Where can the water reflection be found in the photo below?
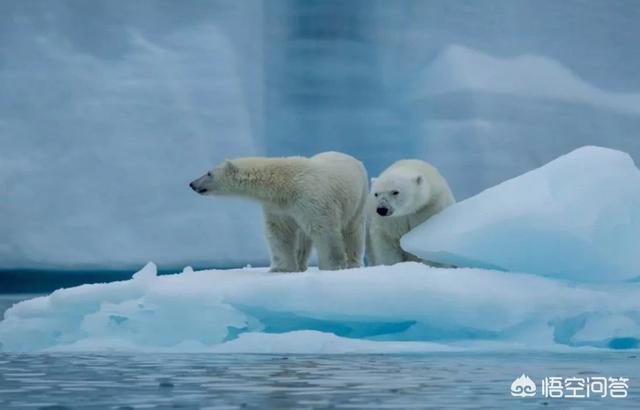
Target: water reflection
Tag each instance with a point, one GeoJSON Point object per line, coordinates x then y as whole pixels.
{"type": "Point", "coordinates": [264, 381]}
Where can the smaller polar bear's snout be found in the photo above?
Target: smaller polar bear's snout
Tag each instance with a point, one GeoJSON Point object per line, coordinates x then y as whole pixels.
{"type": "Point", "coordinates": [383, 208]}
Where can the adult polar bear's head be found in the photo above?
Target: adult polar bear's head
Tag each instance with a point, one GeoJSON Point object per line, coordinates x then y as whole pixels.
{"type": "Point", "coordinates": [223, 179]}
{"type": "Point", "coordinates": [400, 192]}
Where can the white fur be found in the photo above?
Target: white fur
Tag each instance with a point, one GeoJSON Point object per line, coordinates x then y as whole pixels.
{"type": "Point", "coordinates": [317, 201]}
{"type": "Point", "coordinates": [411, 191]}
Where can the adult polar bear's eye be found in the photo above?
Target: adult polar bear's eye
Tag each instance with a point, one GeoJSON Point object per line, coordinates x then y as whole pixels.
{"type": "Point", "coordinates": [376, 194]}
{"type": "Point", "coordinates": [394, 193]}
{"type": "Point", "coordinates": [209, 173]}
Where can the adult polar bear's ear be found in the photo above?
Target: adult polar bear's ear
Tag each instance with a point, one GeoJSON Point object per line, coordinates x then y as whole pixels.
{"type": "Point", "coordinates": [230, 167]}
{"type": "Point", "coordinates": [373, 180]}
{"type": "Point", "coordinates": [418, 179]}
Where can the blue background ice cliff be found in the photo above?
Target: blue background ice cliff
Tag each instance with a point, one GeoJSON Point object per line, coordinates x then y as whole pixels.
{"type": "Point", "coordinates": [108, 109]}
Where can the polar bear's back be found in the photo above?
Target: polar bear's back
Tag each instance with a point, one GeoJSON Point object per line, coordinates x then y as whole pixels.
{"type": "Point", "coordinates": [341, 163]}
{"type": "Point", "coordinates": [342, 167]}
{"type": "Point", "coordinates": [344, 176]}
{"type": "Point", "coordinates": [333, 157]}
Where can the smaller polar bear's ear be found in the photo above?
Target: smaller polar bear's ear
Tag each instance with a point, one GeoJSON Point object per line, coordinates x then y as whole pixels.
{"type": "Point", "coordinates": [418, 179]}
{"type": "Point", "coordinates": [230, 166]}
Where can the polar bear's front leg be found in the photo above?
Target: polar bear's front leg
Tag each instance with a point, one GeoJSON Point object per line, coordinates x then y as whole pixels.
{"type": "Point", "coordinates": [281, 234]}
{"type": "Point", "coordinates": [383, 250]}
{"type": "Point", "coordinates": [331, 250]}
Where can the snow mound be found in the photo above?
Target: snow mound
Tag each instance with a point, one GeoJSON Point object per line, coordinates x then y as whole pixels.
{"type": "Point", "coordinates": [405, 308]}
{"type": "Point", "coordinates": [577, 217]}
{"type": "Point", "coordinates": [459, 68]}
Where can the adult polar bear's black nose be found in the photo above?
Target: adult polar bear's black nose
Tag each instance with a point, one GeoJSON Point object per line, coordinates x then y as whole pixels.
{"type": "Point", "coordinates": [382, 211]}
{"type": "Point", "coordinates": [193, 186]}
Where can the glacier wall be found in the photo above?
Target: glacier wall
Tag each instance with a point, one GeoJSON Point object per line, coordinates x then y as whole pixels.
{"type": "Point", "coordinates": [107, 110]}
{"type": "Point", "coordinates": [484, 91]}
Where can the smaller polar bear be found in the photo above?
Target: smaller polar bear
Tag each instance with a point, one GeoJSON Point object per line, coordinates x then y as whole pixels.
{"type": "Point", "coordinates": [405, 195]}
{"type": "Point", "coordinates": [318, 201]}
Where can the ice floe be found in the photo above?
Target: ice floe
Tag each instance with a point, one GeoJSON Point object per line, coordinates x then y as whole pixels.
{"type": "Point", "coordinates": [405, 308]}
{"type": "Point", "coordinates": [577, 217]}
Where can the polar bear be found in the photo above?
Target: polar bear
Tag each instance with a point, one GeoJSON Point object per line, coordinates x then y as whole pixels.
{"type": "Point", "coordinates": [405, 195]}
{"type": "Point", "coordinates": [318, 201]}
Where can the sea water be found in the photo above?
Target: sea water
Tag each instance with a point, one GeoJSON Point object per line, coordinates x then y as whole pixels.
{"type": "Point", "coordinates": [230, 381]}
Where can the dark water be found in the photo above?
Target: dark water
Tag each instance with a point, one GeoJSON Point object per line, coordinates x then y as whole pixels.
{"type": "Point", "coordinates": [18, 281]}
{"type": "Point", "coordinates": [192, 381]}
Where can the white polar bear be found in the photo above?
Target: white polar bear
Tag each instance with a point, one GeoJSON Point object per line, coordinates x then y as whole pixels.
{"type": "Point", "coordinates": [402, 197]}
{"type": "Point", "coordinates": [318, 201]}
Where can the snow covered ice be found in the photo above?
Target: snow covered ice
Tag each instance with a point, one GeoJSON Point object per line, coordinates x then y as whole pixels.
{"type": "Point", "coordinates": [403, 308]}
{"type": "Point", "coordinates": [576, 218]}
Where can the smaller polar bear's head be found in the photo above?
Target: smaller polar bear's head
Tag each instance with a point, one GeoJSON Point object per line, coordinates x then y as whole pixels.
{"type": "Point", "coordinates": [220, 180]}
{"type": "Point", "coordinates": [399, 194]}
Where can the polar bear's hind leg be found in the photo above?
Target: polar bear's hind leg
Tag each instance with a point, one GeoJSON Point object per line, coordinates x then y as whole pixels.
{"type": "Point", "coordinates": [331, 250]}
{"type": "Point", "coordinates": [303, 250]}
{"type": "Point", "coordinates": [354, 238]}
